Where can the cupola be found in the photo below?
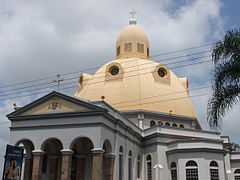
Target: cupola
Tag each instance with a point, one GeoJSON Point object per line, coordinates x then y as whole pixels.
{"type": "Point", "coordinates": [132, 42]}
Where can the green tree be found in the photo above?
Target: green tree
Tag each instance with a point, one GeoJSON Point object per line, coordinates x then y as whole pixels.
{"type": "Point", "coordinates": [226, 77]}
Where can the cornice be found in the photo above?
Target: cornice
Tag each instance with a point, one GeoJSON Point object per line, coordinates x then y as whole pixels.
{"type": "Point", "coordinates": [191, 150]}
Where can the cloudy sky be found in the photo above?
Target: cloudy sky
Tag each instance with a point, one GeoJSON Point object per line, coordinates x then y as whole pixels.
{"type": "Point", "coordinates": [39, 39]}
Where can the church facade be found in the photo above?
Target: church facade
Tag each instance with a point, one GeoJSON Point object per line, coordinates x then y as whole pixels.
{"type": "Point", "coordinates": [130, 120]}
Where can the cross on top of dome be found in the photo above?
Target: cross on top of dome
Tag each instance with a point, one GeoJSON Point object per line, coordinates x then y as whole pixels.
{"type": "Point", "coordinates": [133, 20]}
{"type": "Point", "coordinates": [133, 13]}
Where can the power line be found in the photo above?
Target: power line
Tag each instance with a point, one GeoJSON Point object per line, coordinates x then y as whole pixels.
{"type": "Point", "coordinates": [49, 77]}
{"type": "Point", "coordinates": [162, 95]}
{"type": "Point", "coordinates": [103, 66]}
{"type": "Point", "coordinates": [210, 44]}
{"type": "Point", "coordinates": [39, 84]}
{"type": "Point", "coordinates": [147, 72]}
{"type": "Point", "coordinates": [173, 99]}
{"type": "Point", "coordinates": [147, 62]}
{"type": "Point", "coordinates": [194, 89]}
{"type": "Point", "coordinates": [36, 89]}
{"type": "Point", "coordinates": [92, 83]}
{"type": "Point", "coordinates": [165, 100]}
{"type": "Point", "coordinates": [100, 77]}
{"type": "Point", "coordinates": [104, 80]}
{"type": "Point", "coordinates": [40, 79]}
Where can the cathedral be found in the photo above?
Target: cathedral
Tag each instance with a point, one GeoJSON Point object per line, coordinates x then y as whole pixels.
{"type": "Point", "coordinates": [130, 120]}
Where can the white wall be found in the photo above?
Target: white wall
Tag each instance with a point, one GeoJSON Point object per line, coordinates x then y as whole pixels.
{"type": "Point", "coordinates": [202, 159]}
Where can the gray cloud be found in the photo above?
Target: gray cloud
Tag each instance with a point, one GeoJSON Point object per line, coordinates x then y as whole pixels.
{"type": "Point", "coordinates": [42, 38]}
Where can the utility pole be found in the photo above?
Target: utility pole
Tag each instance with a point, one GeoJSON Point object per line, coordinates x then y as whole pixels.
{"type": "Point", "coordinates": [58, 80]}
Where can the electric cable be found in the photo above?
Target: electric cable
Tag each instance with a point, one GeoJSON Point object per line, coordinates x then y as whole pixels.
{"type": "Point", "coordinates": [105, 76]}
{"type": "Point", "coordinates": [40, 84]}
{"type": "Point", "coordinates": [76, 86]}
{"type": "Point", "coordinates": [49, 77]}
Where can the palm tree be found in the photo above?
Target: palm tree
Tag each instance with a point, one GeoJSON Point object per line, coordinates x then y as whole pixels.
{"type": "Point", "coordinates": [226, 76]}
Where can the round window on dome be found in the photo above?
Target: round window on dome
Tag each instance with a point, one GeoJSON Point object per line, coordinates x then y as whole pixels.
{"type": "Point", "coordinates": [114, 70]}
{"type": "Point", "coordinates": [162, 72]}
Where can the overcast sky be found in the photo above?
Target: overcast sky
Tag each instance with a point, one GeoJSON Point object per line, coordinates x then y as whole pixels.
{"type": "Point", "coordinates": [42, 38]}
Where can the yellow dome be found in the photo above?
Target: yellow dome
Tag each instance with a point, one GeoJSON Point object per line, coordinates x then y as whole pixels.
{"type": "Point", "coordinates": [133, 82]}
{"type": "Point", "coordinates": [137, 84]}
{"type": "Point", "coordinates": [132, 42]}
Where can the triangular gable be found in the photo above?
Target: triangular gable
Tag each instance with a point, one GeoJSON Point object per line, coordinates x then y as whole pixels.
{"type": "Point", "coordinates": [55, 105]}
{"type": "Point", "coordinates": [55, 102]}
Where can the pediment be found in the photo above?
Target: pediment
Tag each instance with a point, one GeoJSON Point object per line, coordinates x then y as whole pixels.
{"type": "Point", "coordinates": [55, 103]}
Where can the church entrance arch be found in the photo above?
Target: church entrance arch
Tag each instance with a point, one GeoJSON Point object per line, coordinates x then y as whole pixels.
{"type": "Point", "coordinates": [28, 147]}
{"type": "Point", "coordinates": [81, 159]}
{"type": "Point", "coordinates": [52, 161]}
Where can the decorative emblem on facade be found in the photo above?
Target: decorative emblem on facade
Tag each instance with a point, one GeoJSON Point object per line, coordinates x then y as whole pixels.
{"type": "Point", "coordinates": [54, 104]}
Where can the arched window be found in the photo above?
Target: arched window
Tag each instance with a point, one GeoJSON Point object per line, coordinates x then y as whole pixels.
{"type": "Point", "coordinates": [128, 47]}
{"type": "Point", "coordinates": [181, 126]}
{"type": "Point", "coordinates": [120, 163]}
{"type": "Point", "coordinates": [147, 52]}
{"type": "Point", "coordinates": [191, 170]}
{"type": "Point", "coordinates": [130, 165]}
{"type": "Point", "coordinates": [138, 166]}
{"type": "Point", "coordinates": [214, 170]}
{"type": "Point", "coordinates": [44, 163]}
{"type": "Point", "coordinates": [140, 48]}
{"type": "Point", "coordinates": [152, 123]}
{"type": "Point", "coordinates": [149, 167]}
{"type": "Point", "coordinates": [118, 50]}
{"type": "Point", "coordinates": [167, 124]}
{"type": "Point", "coordinates": [237, 174]}
{"type": "Point", "coordinates": [174, 125]}
{"type": "Point", "coordinates": [173, 171]}
{"type": "Point", "coordinates": [74, 167]}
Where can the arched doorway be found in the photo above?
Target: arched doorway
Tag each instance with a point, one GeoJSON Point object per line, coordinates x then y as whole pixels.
{"type": "Point", "coordinates": [108, 161]}
{"type": "Point", "coordinates": [27, 166]}
{"type": "Point", "coordinates": [52, 161]}
{"type": "Point", "coordinates": [81, 159]}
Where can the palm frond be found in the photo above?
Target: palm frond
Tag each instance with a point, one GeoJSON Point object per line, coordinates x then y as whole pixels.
{"type": "Point", "coordinates": [226, 86]}
{"type": "Point", "coordinates": [222, 101]}
{"type": "Point", "coordinates": [227, 73]}
{"type": "Point", "coordinates": [229, 48]}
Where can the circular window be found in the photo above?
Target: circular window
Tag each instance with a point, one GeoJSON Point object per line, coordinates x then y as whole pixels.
{"type": "Point", "coordinates": [174, 125]}
{"type": "Point", "coordinates": [167, 124]}
{"type": "Point", "coordinates": [152, 123]}
{"type": "Point", "coordinates": [160, 123]}
{"type": "Point", "coordinates": [162, 72]}
{"type": "Point", "coordinates": [114, 70]}
{"type": "Point", "coordinates": [181, 126]}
